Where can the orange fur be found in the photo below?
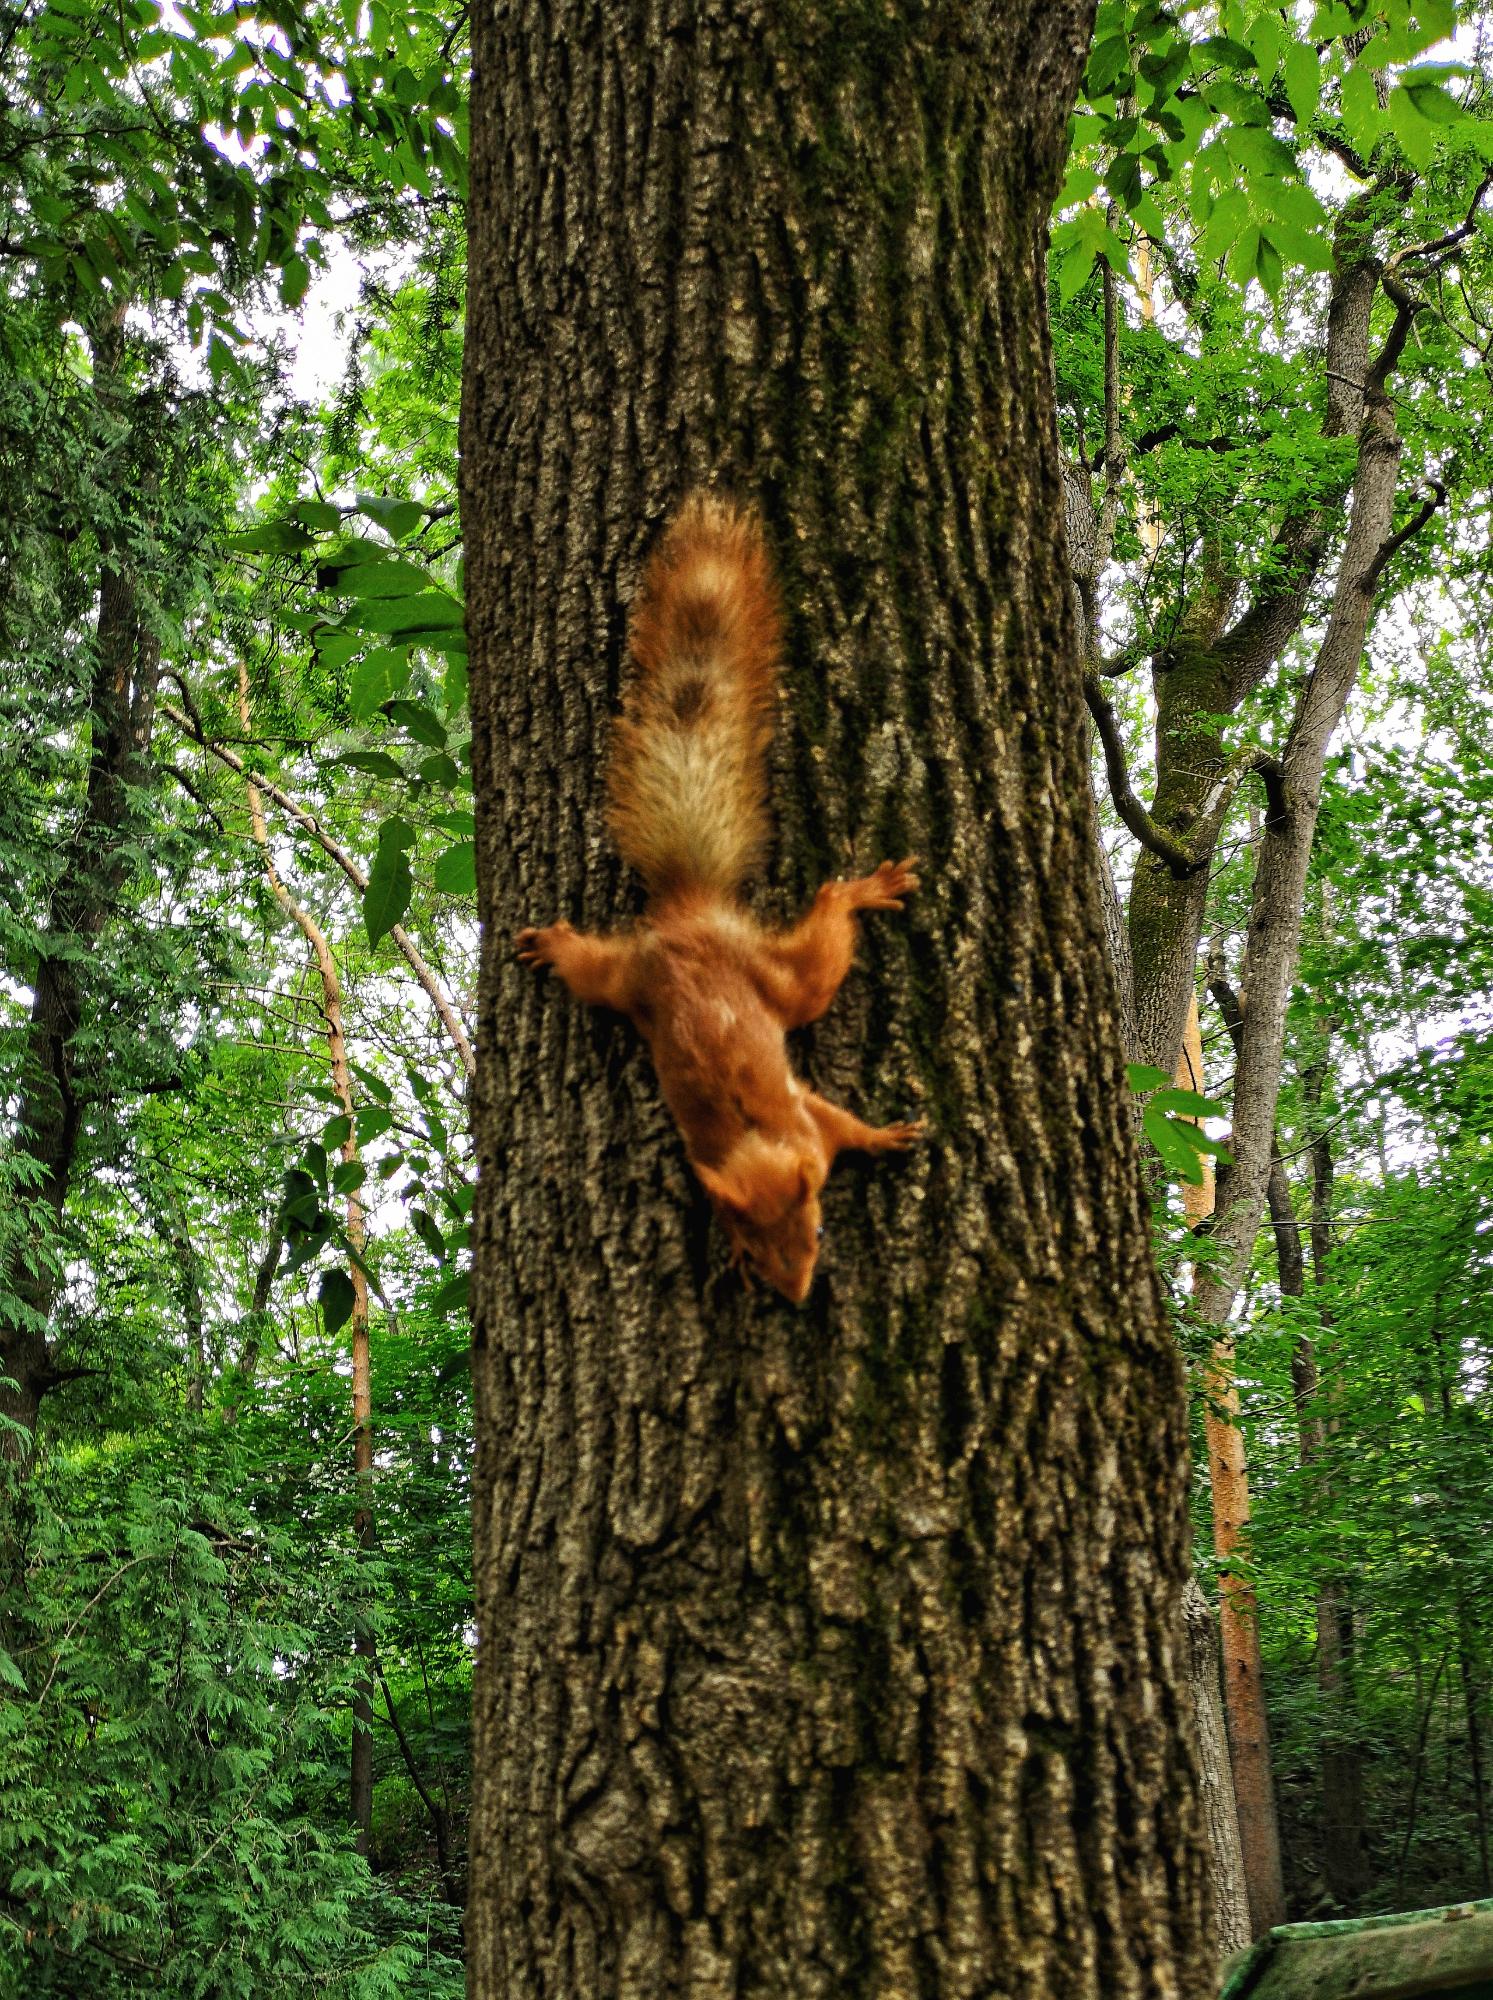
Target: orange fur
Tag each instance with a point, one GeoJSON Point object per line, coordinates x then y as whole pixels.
{"type": "Point", "coordinates": [710, 990]}
{"type": "Point", "coordinates": [688, 774]}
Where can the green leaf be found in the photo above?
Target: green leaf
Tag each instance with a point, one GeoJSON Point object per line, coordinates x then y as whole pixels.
{"type": "Point", "coordinates": [336, 1132]}
{"type": "Point", "coordinates": [1416, 134]}
{"type": "Point", "coordinates": [318, 515]}
{"type": "Point", "coordinates": [1109, 59]}
{"type": "Point", "coordinates": [431, 609]}
{"type": "Point", "coordinates": [1258, 151]}
{"type": "Point", "coordinates": [1434, 104]}
{"type": "Point", "coordinates": [398, 518]}
{"type": "Point", "coordinates": [375, 679]}
{"type": "Point", "coordinates": [1180, 1158]}
{"type": "Point", "coordinates": [348, 1176]}
{"type": "Point", "coordinates": [390, 886]}
{"type": "Point", "coordinates": [392, 578]}
{"type": "Point", "coordinates": [373, 1122]}
{"type": "Point", "coordinates": [418, 721]}
{"type": "Point", "coordinates": [1223, 49]}
{"type": "Point", "coordinates": [428, 1230]}
{"type": "Point", "coordinates": [1361, 112]}
{"type": "Point", "coordinates": [1189, 1103]}
{"type": "Point", "coordinates": [294, 278]}
{"type": "Point", "coordinates": [337, 1299]}
{"type": "Point", "coordinates": [1265, 38]}
{"type": "Point", "coordinates": [456, 870]}
{"type": "Point", "coordinates": [1269, 268]}
{"type": "Point", "coordinates": [454, 1296]}
{"type": "Point", "coordinates": [275, 538]}
{"type": "Point", "coordinates": [1302, 74]}
{"type": "Point", "coordinates": [1145, 1076]}
{"type": "Point", "coordinates": [372, 1083]}
{"type": "Point", "coordinates": [377, 763]}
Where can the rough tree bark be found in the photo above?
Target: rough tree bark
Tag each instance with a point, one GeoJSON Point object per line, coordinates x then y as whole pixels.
{"type": "Point", "coordinates": [835, 1652]}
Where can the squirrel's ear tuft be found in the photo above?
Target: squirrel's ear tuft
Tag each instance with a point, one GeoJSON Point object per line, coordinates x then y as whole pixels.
{"type": "Point", "coordinates": [727, 1197]}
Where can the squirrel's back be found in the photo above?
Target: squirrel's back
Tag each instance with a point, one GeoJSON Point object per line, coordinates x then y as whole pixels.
{"type": "Point", "coordinates": [688, 773]}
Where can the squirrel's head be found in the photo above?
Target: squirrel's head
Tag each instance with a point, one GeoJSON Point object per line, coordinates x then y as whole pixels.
{"type": "Point", "coordinates": [767, 1198]}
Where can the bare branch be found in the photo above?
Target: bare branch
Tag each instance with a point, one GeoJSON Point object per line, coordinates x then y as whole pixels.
{"type": "Point", "coordinates": [1452, 237]}
{"type": "Point", "coordinates": [440, 999]}
{"type": "Point", "coordinates": [1251, 759]}
{"type": "Point", "coordinates": [1155, 839]}
{"type": "Point", "coordinates": [1391, 546]}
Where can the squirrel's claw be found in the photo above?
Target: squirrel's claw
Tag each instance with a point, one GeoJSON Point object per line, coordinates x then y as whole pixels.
{"type": "Point", "coordinates": [885, 888]}
{"type": "Point", "coordinates": [535, 946]}
{"type": "Point", "coordinates": [897, 1138]}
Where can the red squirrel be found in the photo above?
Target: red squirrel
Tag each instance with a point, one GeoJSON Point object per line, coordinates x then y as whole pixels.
{"type": "Point", "coordinates": [710, 990]}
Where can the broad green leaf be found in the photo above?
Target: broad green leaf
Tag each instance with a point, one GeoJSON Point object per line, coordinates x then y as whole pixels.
{"type": "Point", "coordinates": [275, 538]}
{"type": "Point", "coordinates": [375, 678]}
{"type": "Point", "coordinates": [454, 1296]}
{"type": "Point", "coordinates": [398, 518]}
{"type": "Point", "coordinates": [393, 578]}
{"type": "Point", "coordinates": [418, 721]}
{"type": "Point", "coordinates": [390, 887]}
{"type": "Point", "coordinates": [318, 515]}
{"type": "Point", "coordinates": [1361, 113]}
{"type": "Point", "coordinates": [430, 610]}
{"type": "Point", "coordinates": [1108, 61]}
{"type": "Point", "coordinates": [1145, 1076]}
{"type": "Point", "coordinates": [1416, 134]}
{"type": "Point", "coordinates": [377, 763]}
{"type": "Point", "coordinates": [372, 1083]}
{"type": "Point", "coordinates": [1302, 74]}
{"type": "Point", "coordinates": [456, 870]}
{"type": "Point", "coordinates": [1187, 1103]}
{"type": "Point", "coordinates": [337, 1299]}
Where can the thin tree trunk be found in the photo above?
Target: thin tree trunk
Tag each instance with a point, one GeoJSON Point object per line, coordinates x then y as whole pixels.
{"type": "Point", "coordinates": [834, 1652]}
{"type": "Point", "coordinates": [434, 991]}
{"type": "Point", "coordinates": [1239, 1631]}
{"type": "Point", "coordinates": [360, 1785]}
{"type": "Point", "coordinates": [1216, 1771]}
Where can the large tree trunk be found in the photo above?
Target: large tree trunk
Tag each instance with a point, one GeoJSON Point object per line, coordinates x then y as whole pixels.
{"type": "Point", "coordinates": [834, 1652]}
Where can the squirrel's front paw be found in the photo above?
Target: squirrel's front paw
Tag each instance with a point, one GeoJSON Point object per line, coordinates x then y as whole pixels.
{"type": "Point", "coordinates": [897, 1138]}
{"type": "Point", "coordinates": [537, 947]}
{"type": "Point", "coordinates": [887, 885]}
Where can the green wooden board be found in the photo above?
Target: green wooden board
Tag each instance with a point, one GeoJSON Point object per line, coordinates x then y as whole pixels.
{"type": "Point", "coordinates": [1418, 1952]}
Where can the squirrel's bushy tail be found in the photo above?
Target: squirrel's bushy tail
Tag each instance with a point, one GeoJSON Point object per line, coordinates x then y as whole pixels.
{"type": "Point", "coordinates": [688, 773]}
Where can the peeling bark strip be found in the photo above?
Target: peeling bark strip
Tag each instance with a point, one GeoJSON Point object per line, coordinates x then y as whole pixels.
{"type": "Point", "coordinates": [838, 1652]}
